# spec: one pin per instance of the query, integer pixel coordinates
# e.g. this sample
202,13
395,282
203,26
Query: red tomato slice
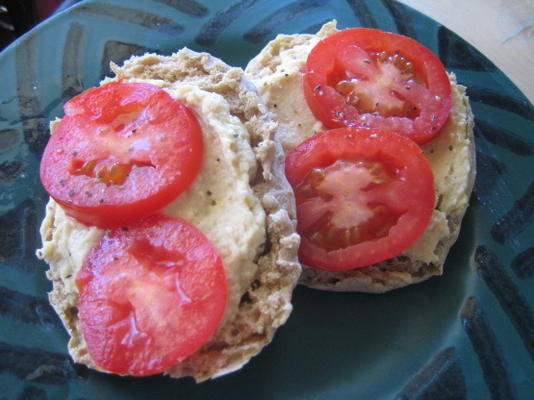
362,196
369,78
150,296
122,152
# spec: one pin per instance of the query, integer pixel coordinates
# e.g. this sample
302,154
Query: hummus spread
220,202
276,71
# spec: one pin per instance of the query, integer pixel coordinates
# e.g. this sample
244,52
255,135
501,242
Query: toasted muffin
240,156
276,71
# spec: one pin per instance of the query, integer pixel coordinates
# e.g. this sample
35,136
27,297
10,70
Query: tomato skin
407,195
149,296
350,55
121,152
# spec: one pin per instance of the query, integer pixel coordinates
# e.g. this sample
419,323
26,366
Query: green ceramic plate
466,335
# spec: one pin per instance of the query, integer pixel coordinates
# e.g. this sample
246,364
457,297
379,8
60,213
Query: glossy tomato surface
364,77
150,295
122,151
362,195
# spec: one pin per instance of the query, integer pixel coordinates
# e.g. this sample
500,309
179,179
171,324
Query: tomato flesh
336,210
362,196
149,296
122,152
369,78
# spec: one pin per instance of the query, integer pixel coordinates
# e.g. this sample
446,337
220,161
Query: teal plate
466,335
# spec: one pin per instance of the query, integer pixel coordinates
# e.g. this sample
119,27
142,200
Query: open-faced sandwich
170,232
380,154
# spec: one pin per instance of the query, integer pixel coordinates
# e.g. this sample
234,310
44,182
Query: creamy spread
220,202
276,71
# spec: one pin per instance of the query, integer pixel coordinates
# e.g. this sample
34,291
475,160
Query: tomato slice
362,196
122,152
150,295
363,77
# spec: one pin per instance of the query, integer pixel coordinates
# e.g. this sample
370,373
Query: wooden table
503,30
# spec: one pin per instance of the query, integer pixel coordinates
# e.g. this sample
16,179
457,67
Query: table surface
503,30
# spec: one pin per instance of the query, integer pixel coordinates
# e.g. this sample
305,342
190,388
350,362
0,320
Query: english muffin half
277,71
240,201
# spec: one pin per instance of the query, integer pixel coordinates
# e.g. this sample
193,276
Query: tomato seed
344,87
